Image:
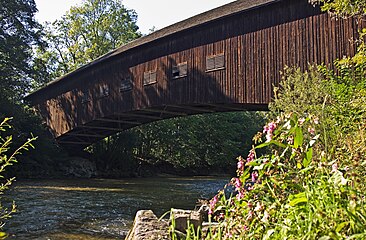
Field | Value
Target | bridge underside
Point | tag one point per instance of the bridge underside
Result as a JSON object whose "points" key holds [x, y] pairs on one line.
{"points": [[100, 128]]}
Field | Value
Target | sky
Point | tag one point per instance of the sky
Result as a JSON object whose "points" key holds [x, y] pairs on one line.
{"points": [[151, 13]]}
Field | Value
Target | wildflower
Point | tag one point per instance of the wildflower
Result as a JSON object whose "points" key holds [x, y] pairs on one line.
{"points": [[311, 130], [268, 129], [316, 120], [240, 164], [249, 205], [245, 228], [237, 184], [334, 167], [240, 195], [254, 176], [251, 156], [259, 207], [265, 217], [301, 121], [213, 202]]}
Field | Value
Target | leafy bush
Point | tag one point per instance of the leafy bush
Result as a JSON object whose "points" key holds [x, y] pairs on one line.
{"points": [[293, 192]]}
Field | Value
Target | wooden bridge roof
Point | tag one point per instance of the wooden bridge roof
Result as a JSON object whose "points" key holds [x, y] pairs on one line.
{"points": [[229, 9]]}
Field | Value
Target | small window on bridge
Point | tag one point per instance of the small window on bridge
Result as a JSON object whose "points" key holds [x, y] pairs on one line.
{"points": [[149, 77], [216, 62], [85, 96], [180, 70], [126, 84], [103, 91]]}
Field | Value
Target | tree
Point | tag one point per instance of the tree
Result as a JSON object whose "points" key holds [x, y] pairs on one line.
{"points": [[83, 34], [18, 33]]}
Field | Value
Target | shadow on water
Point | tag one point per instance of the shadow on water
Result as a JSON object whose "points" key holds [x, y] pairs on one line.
{"points": [[98, 208]]}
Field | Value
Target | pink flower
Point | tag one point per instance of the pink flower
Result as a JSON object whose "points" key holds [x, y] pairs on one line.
{"points": [[213, 202], [311, 130], [240, 195], [254, 176], [246, 228], [249, 205], [241, 164], [251, 156], [316, 120], [238, 184], [268, 129]]}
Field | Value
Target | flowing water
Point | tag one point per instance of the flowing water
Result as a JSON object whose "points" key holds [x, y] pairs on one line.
{"points": [[98, 208]]}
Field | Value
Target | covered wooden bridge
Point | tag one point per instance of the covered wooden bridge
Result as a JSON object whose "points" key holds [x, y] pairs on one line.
{"points": [[226, 59]]}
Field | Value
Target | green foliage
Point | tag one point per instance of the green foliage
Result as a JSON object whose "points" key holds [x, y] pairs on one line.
{"points": [[7, 160], [343, 8], [293, 192], [83, 34], [196, 143], [18, 33]]}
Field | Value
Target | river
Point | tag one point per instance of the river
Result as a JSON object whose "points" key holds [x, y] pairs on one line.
{"points": [[98, 208]]}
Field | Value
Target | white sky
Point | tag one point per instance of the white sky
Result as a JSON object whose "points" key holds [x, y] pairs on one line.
{"points": [[158, 13]]}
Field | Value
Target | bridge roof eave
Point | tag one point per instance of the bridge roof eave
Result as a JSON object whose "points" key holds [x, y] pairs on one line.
{"points": [[195, 21]]}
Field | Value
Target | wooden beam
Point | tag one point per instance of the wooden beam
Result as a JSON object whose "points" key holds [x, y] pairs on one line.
{"points": [[73, 142], [117, 121], [83, 135], [196, 109], [103, 128], [227, 107], [140, 116], [164, 111]]}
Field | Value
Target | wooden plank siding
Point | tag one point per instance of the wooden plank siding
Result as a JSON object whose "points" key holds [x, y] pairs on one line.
{"points": [[257, 44]]}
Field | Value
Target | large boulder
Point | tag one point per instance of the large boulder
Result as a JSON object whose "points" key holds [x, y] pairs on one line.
{"points": [[148, 227]]}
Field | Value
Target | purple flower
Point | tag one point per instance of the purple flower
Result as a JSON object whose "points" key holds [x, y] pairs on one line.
{"points": [[240, 164], [237, 184], [254, 176], [213, 202], [268, 129], [251, 156], [240, 195]]}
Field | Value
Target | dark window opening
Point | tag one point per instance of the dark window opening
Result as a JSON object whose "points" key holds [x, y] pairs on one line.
{"points": [[180, 70], [216, 62], [149, 77], [126, 84]]}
